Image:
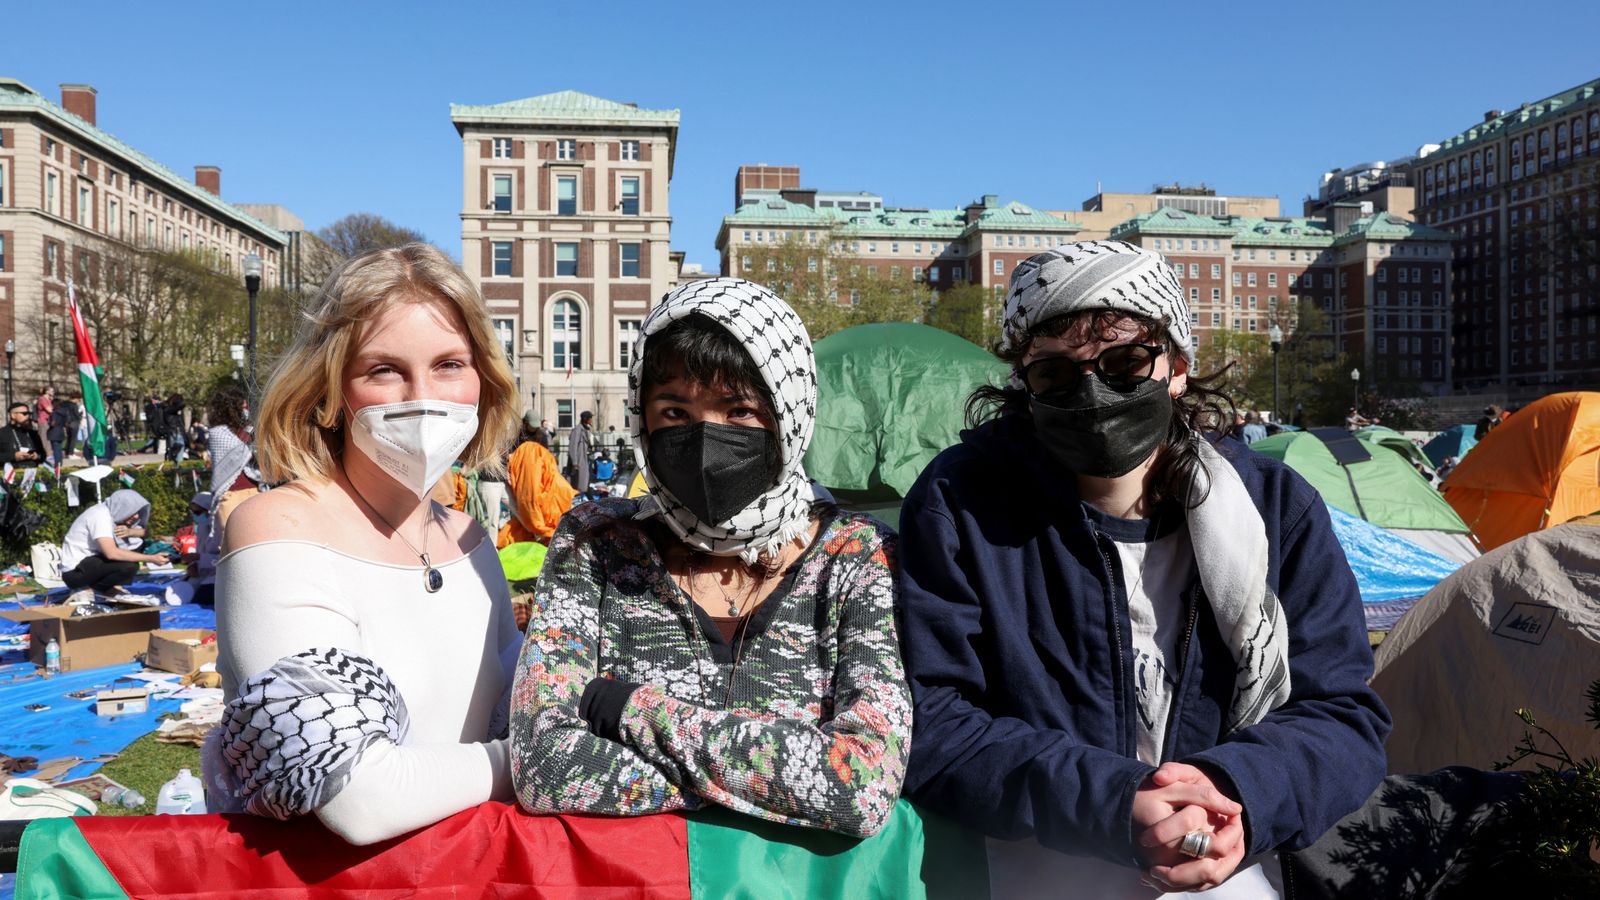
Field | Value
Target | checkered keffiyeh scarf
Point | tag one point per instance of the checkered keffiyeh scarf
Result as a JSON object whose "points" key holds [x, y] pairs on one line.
{"points": [[289, 741], [1095, 275], [776, 340]]}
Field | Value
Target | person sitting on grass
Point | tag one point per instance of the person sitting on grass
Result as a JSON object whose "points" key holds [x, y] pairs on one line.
{"points": [[91, 557]]}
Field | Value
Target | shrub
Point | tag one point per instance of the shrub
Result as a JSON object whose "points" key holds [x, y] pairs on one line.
{"points": [[167, 487]]}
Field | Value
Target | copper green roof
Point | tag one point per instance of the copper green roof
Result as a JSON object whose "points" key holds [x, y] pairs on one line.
{"points": [[1384, 227], [1252, 231], [1529, 115], [1015, 216], [1173, 221], [565, 106], [890, 223], [18, 97]]}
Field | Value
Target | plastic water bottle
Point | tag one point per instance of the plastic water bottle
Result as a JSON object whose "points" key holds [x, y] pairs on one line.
{"points": [[52, 658], [121, 796], [182, 796]]}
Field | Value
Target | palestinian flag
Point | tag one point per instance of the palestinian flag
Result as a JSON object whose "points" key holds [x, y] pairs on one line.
{"points": [[125, 478], [94, 403], [497, 850]]}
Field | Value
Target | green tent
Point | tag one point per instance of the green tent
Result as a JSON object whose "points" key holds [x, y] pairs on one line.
{"points": [[890, 397], [1385, 490], [1380, 436]]}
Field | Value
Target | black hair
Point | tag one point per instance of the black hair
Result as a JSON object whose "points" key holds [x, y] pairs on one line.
{"points": [[695, 348], [1202, 409], [22, 403], [227, 408]]}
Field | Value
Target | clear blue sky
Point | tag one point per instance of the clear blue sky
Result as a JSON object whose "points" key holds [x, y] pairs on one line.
{"points": [[334, 107]]}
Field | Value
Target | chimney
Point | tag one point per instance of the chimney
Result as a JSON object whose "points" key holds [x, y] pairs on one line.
{"points": [[1492, 114], [78, 99], [210, 178]]}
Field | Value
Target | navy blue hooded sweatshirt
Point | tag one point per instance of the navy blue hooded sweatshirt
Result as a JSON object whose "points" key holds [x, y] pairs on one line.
{"points": [[1016, 640]]}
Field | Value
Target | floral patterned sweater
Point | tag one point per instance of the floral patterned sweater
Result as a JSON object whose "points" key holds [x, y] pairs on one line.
{"points": [[628, 701]]}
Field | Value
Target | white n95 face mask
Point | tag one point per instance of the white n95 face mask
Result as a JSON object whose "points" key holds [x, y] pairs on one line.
{"points": [[415, 441]]}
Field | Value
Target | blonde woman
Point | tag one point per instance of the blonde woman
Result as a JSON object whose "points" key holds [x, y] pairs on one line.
{"points": [[366, 634]]}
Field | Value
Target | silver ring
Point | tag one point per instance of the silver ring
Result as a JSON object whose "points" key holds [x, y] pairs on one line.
{"points": [[1196, 844]]}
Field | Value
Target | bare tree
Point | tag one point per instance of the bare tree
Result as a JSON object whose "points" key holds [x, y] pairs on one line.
{"points": [[360, 232]]}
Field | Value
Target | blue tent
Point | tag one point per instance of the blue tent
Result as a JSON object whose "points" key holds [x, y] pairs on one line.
{"points": [[1391, 572], [1453, 441]]}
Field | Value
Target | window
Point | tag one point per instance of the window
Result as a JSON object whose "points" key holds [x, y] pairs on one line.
{"points": [[1194, 295], [1251, 279], [51, 193], [630, 196], [746, 265], [502, 193], [1237, 279], [1194, 270], [167, 242], [1272, 279], [855, 297], [566, 195], [50, 260], [629, 267], [567, 258], [894, 272], [1216, 295], [1216, 270], [502, 148], [811, 264], [566, 149], [501, 252], [1252, 301], [1216, 320], [505, 329], [630, 150], [113, 216], [564, 414], [566, 335], [2, 253], [999, 267], [627, 333]]}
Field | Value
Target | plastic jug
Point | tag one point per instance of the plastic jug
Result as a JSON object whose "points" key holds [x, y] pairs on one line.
{"points": [[181, 796]]}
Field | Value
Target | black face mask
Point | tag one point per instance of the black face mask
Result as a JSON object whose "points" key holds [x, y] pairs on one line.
{"points": [[1096, 430], [714, 470]]}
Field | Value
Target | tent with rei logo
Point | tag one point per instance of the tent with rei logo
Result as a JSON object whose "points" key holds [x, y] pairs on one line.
{"points": [[1519, 627]]}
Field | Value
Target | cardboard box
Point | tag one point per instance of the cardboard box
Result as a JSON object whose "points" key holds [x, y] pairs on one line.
{"points": [[170, 650], [87, 642], [117, 701]]}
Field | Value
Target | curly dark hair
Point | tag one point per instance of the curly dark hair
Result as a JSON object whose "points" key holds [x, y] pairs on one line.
{"points": [[227, 408], [1202, 409]]}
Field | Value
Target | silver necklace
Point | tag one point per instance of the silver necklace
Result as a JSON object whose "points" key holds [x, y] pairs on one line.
{"points": [[432, 579]]}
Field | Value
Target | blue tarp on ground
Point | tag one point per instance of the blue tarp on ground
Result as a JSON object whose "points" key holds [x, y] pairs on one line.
{"points": [[1391, 571], [70, 727]]}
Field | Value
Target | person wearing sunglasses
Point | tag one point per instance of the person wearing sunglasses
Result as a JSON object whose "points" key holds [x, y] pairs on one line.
{"points": [[20, 444], [1137, 652]]}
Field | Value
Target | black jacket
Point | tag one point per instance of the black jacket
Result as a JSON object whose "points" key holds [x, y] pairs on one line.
{"points": [[13, 439], [64, 420]]}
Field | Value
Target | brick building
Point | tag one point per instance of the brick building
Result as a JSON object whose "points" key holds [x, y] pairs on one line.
{"points": [[71, 195], [1521, 193], [565, 228], [977, 244], [1383, 282]]}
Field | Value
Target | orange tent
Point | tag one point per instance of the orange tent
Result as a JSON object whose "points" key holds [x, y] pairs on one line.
{"points": [[539, 496], [1538, 469]]}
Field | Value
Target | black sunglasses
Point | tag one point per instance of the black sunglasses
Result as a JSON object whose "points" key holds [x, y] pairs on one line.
{"points": [[1120, 367]]}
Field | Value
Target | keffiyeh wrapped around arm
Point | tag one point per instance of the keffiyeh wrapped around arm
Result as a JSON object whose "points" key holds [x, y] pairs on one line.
{"points": [[290, 740]]}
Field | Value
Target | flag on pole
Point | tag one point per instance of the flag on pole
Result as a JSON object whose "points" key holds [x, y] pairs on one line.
{"points": [[94, 403]]}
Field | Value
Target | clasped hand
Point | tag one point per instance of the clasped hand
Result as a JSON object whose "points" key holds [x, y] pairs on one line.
{"points": [[1173, 801]]}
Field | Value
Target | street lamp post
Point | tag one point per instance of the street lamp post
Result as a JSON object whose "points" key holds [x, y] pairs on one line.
{"points": [[1355, 389], [252, 283], [1275, 341], [11, 351]]}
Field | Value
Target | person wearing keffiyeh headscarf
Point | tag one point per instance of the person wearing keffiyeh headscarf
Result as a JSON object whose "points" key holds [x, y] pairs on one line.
{"points": [[1137, 650], [730, 637]]}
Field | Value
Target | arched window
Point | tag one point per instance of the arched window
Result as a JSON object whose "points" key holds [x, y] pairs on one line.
{"points": [[566, 335]]}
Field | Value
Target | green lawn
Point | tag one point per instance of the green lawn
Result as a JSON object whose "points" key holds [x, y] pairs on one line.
{"points": [[145, 766]]}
